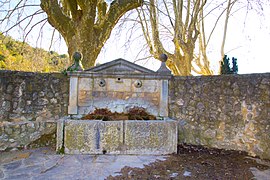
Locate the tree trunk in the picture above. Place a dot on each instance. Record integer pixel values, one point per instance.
(86, 25)
(87, 43)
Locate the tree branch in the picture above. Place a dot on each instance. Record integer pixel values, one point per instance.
(159, 49)
(102, 9)
(32, 27)
(145, 30)
(229, 8)
(83, 4)
(117, 9)
(17, 23)
(71, 6)
(56, 17)
(8, 15)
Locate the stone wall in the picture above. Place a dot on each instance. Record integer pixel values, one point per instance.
(230, 111)
(30, 105)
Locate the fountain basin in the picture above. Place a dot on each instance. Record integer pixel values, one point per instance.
(153, 137)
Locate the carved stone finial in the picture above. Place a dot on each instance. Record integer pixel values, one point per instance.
(163, 57)
(77, 57)
(77, 65)
(163, 68)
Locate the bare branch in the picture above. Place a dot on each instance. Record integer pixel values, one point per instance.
(40, 33)
(8, 15)
(229, 8)
(52, 39)
(142, 59)
(17, 23)
(32, 27)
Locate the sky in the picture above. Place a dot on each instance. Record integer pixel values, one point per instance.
(246, 40)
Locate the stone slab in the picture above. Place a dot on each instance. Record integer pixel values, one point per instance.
(60, 135)
(73, 96)
(150, 137)
(93, 137)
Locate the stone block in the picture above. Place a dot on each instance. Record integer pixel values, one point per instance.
(60, 135)
(85, 84)
(151, 86)
(93, 137)
(118, 84)
(150, 137)
(73, 96)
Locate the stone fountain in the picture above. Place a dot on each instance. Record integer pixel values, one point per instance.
(118, 86)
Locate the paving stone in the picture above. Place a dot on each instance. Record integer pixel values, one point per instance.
(37, 159)
(260, 174)
(2, 175)
(18, 176)
(105, 159)
(34, 169)
(85, 158)
(42, 166)
(152, 158)
(12, 165)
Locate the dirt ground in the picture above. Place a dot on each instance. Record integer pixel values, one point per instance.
(195, 162)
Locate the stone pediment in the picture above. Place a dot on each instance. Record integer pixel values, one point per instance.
(120, 66)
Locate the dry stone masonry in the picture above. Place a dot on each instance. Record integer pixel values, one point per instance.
(228, 111)
(30, 105)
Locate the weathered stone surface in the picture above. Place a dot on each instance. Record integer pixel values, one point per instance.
(119, 137)
(93, 137)
(60, 135)
(230, 111)
(150, 137)
(118, 85)
(2, 175)
(117, 95)
(25, 94)
(21, 134)
(73, 96)
(13, 165)
(31, 97)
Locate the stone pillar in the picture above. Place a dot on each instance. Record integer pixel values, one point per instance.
(60, 135)
(164, 94)
(73, 95)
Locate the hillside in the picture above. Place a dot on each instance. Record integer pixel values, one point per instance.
(19, 56)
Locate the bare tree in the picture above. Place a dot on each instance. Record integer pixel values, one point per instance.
(85, 25)
(178, 29)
